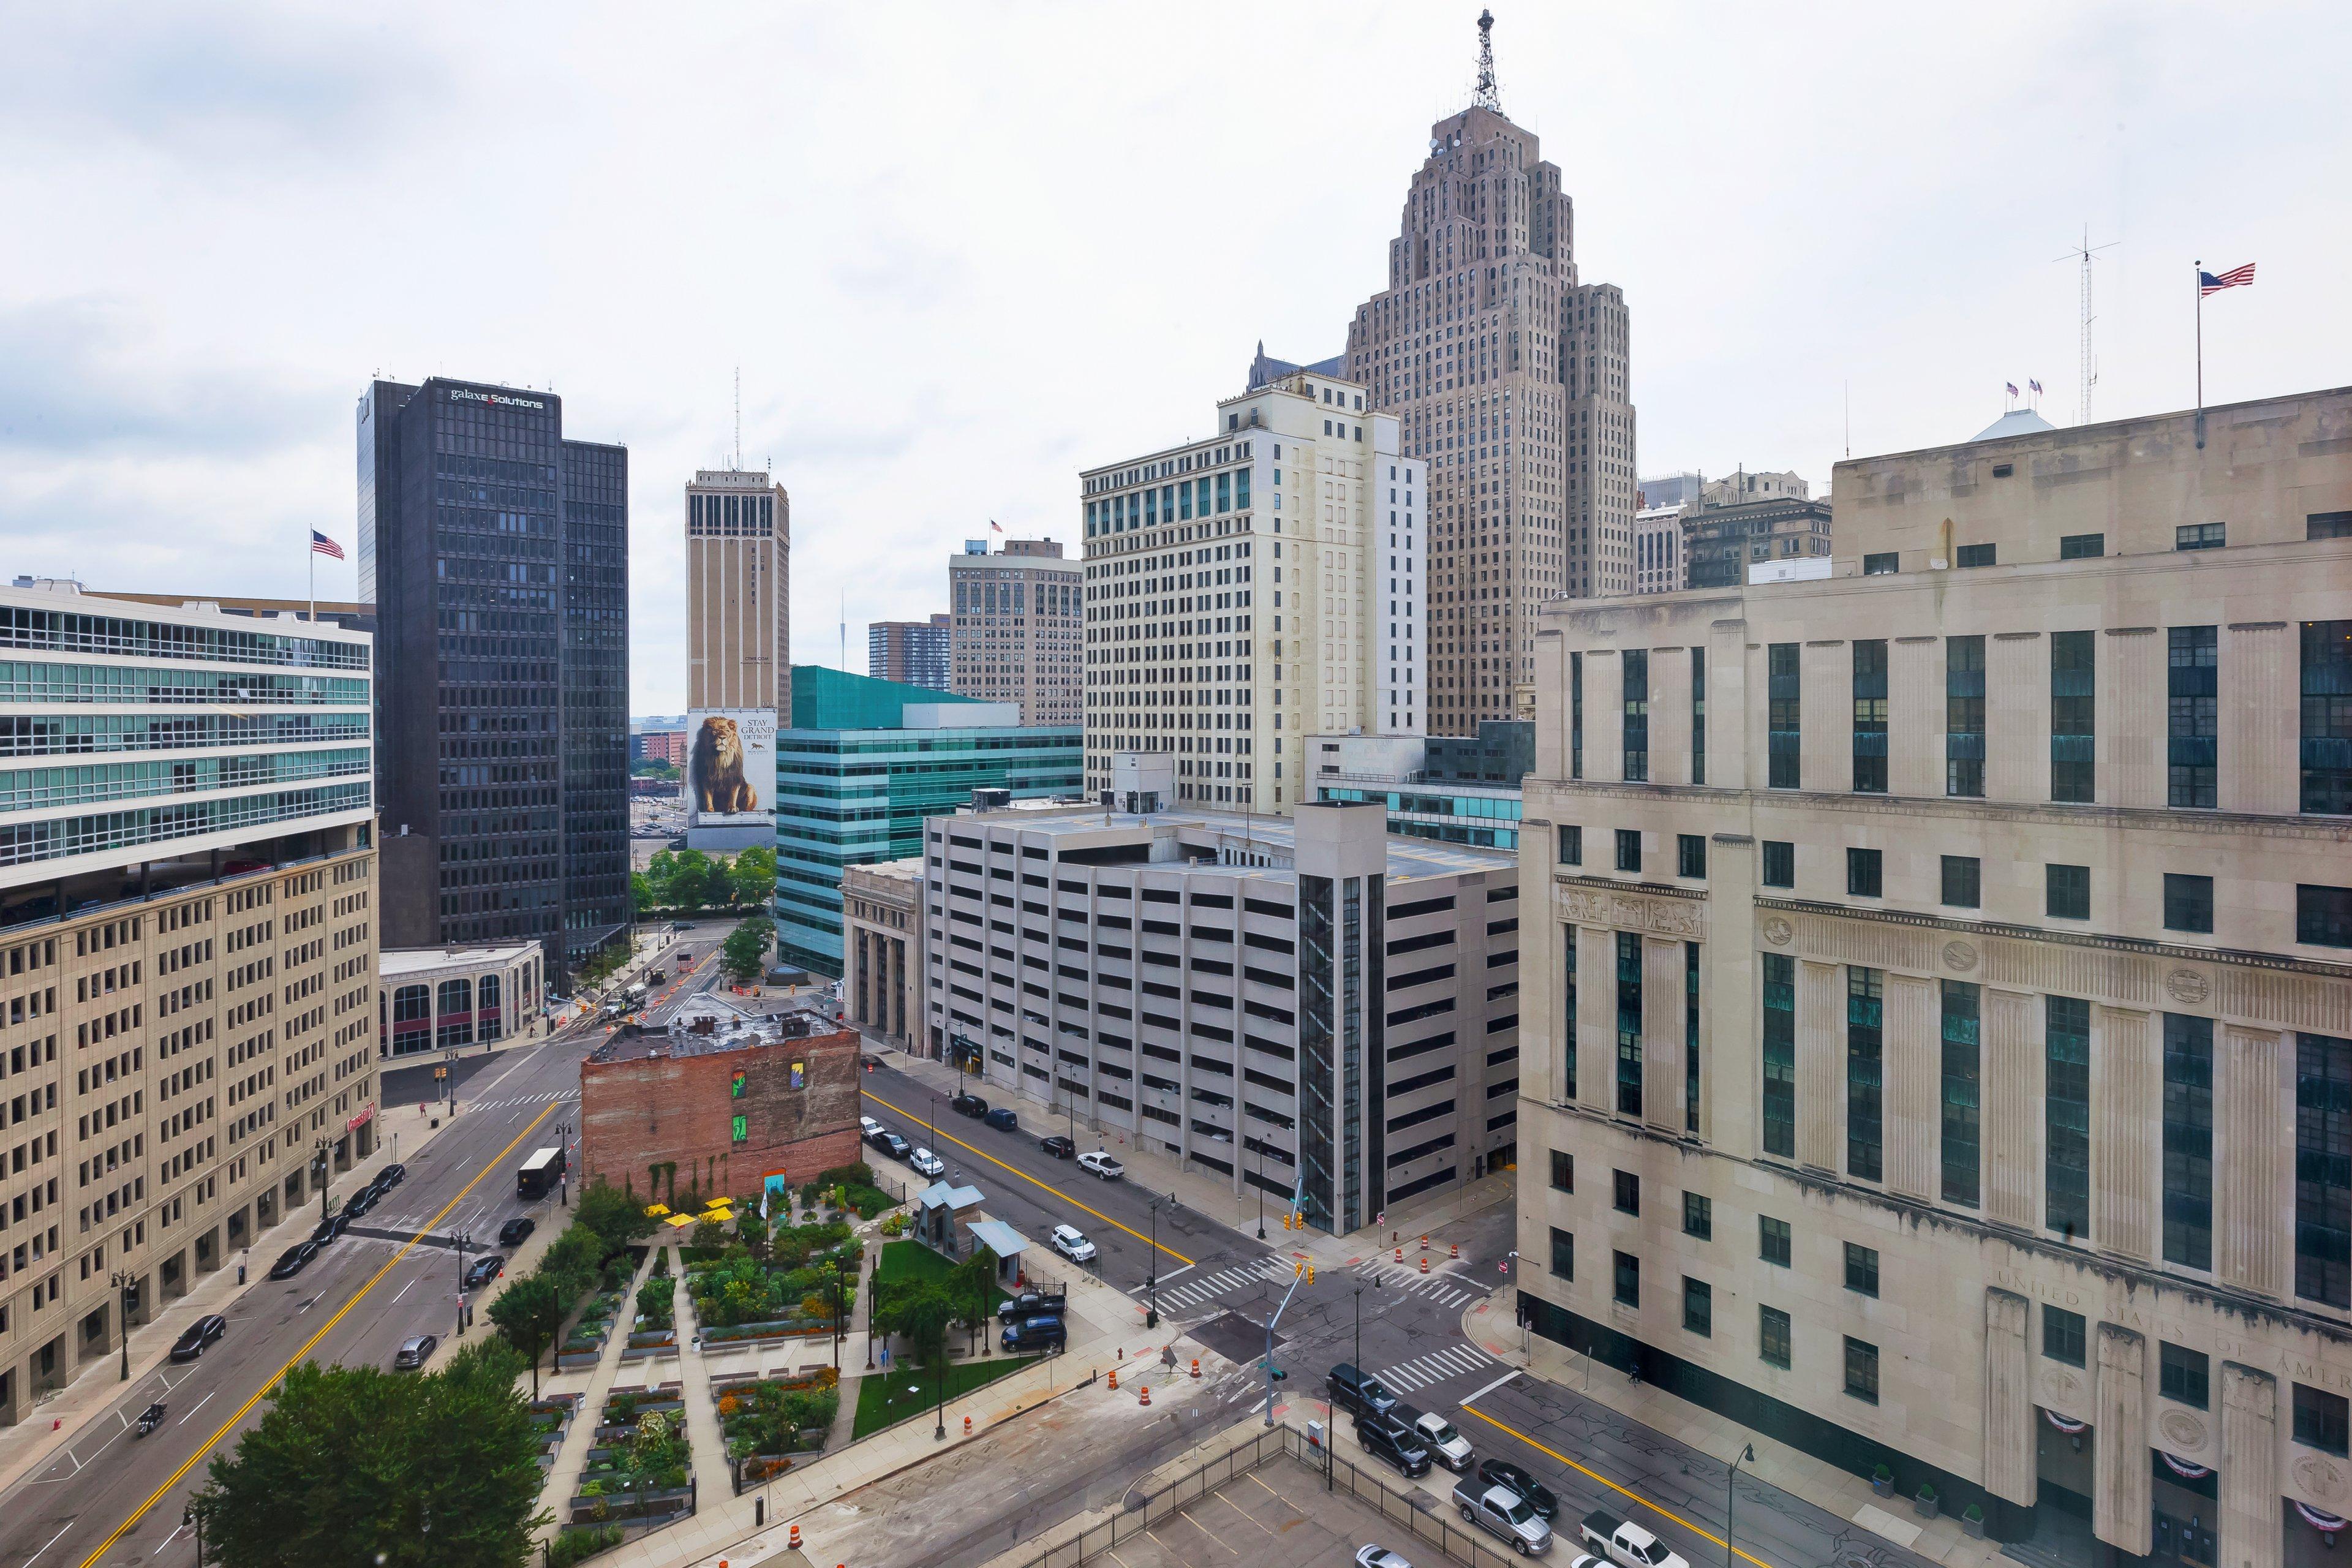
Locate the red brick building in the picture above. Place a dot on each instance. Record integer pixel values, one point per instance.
(687, 1116)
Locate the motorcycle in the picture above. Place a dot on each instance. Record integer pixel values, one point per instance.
(151, 1419)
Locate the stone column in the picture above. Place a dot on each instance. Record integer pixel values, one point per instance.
(2259, 746)
(1731, 727)
(1604, 715)
(2007, 1422)
(1821, 1040)
(1596, 1016)
(1670, 715)
(2127, 1109)
(1914, 716)
(1913, 1058)
(2017, 716)
(1662, 1034)
(2248, 1536)
(2120, 1490)
(2013, 1109)
(1825, 685)
(2252, 1201)
(2133, 757)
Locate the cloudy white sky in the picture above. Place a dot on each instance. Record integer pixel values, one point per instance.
(962, 250)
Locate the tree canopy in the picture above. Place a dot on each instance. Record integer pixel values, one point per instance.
(742, 953)
(530, 1313)
(690, 879)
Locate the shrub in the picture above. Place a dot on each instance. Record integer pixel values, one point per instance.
(573, 1545)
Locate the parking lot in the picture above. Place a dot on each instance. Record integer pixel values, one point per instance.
(1278, 1513)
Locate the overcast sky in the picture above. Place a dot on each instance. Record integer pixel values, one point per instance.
(962, 251)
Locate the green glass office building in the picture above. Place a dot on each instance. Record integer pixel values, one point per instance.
(865, 762)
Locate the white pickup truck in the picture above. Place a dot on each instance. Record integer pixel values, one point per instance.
(1627, 1545)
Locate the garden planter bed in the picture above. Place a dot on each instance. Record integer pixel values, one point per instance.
(577, 1360)
(633, 1505)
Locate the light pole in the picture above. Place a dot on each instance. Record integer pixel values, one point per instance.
(124, 1283)
(1261, 1189)
(1359, 1325)
(869, 1326)
(324, 1168)
(464, 1241)
(1746, 1457)
(1151, 1272)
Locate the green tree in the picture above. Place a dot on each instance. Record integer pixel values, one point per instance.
(616, 1217)
(972, 1286)
(431, 1471)
(694, 881)
(752, 878)
(530, 1313)
(641, 891)
(660, 871)
(918, 1312)
(744, 947)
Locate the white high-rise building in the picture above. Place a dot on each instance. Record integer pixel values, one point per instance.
(1255, 587)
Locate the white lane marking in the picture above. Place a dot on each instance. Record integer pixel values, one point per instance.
(52, 1540)
(199, 1405)
(1165, 1278)
(1491, 1387)
(404, 1289)
(173, 1536)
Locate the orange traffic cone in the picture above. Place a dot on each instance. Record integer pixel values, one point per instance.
(1457, 1250)
(1114, 1380)
(1399, 1254)
(796, 1538)
(967, 1425)
(1196, 1366)
(1146, 1393)
(1424, 1265)
(1425, 1243)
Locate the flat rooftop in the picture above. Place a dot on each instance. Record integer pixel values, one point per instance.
(1210, 830)
(394, 960)
(629, 1044)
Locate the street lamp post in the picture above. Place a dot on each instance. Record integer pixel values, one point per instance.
(1746, 1457)
(1360, 1323)
(123, 1282)
(464, 1241)
(1261, 1189)
(870, 1293)
(326, 1171)
(1151, 1272)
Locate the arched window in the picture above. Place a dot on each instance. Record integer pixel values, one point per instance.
(456, 1014)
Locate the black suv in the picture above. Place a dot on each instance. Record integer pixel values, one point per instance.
(514, 1232)
(1045, 1334)
(1350, 1389)
(1397, 1444)
(1059, 1147)
(482, 1270)
(968, 1105)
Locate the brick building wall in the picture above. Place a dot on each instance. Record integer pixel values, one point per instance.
(651, 1109)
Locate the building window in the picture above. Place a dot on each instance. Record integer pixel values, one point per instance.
(2322, 1169)
(2066, 1115)
(1864, 877)
(1576, 715)
(2074, 716)
(2328, 717)
(1629, 850)
(1964, 716)
(1628, 1279)
(2322, 916)
(2320, 1419)
(1773, 1337)
(1883, 565)
(1698, 1307)
(1626, 1188)
(2182, 1375)
(1975, 555)
(2188, 902)
(1563, 1170)
(2327, 525)
(1636, 731)
(1629, 1022)
(2063, 1336)
(1571, 844)
(2189, 1141)
(1960, 1093)
(1862, 1269)
(2066, 892)
(1772, 1240)
(1690, 1036)
(1963, 882)
(2192, 678)
(1698, 1216)
(1870, 716)
(1568, 1034)
(1563, 1254)
(1865, 1013)
(1780, 1054)
(1699, 715)
(2199, 536)
(1779, 864)
(1862, 1370)
(1785, 712)
(2082, 546)
(1690, 855)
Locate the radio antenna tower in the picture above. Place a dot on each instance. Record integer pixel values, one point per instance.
(1488, 97)
(738, 419)
(2084, 253)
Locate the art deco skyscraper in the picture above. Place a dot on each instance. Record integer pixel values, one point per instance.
(1509, 375)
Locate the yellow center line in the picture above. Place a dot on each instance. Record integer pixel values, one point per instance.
(1612, 1485)
(157, 1496)
(951, 1137)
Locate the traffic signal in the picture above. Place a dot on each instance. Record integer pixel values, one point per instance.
(1310, 1274)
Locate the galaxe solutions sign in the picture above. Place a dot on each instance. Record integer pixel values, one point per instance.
(508, 400)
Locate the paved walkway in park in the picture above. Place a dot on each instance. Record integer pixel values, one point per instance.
(592, 1384)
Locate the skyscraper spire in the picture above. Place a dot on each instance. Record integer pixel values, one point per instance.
(1488, 97)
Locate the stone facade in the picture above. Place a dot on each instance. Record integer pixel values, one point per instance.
(2006, 910)
(881, 910)
(1013, 636)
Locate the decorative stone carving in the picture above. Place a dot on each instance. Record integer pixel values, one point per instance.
(1959, 955)
(1777, 930)
(1684, 917)
(2062, 1389)
(2319, 1478)
(2188, 986)
(2183, 1432)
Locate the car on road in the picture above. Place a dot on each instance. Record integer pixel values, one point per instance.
(1100, 1164)
(868, 1061)
(1072, 1243)
(330, 1227)
(1370, 1555)
(1452, 1448)
(293, 1260)
(1501, 1512)
(928, 1164)
(204, 1332)
(1350, 1389)
(482, 1270)
(1389, 1440)
(1503, 1473)
(1057, 1147)
(867, 1128)
(681, 925)
(1036, 1334)
(1003, 1121)
(391, 1176)
(414, 1353)
(890, 1143)
(968, 1105)
(516, 1230)
(361, 1202)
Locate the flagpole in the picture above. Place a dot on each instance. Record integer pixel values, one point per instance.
(313, 554)
(2197, 283)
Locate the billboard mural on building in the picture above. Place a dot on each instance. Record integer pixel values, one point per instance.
(731, 767)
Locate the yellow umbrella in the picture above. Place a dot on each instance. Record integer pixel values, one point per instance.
(657, 1210)
(718, 1217)
(679, 1220)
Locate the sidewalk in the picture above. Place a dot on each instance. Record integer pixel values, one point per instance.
(1491, 1325)
(563, 1476)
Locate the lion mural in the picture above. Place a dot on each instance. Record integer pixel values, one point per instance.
(719, 787)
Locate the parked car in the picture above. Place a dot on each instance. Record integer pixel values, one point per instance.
(414, 1353)
(1072, 1243)
(681, 925)
(1039, 1333)
(333, 1225)
(1003, 1121)
(1385, 1439)
(1627, 1545)
(1034, 1302)
(1503, 1473)
(890, 1143)
(361, 1202)
(204, 1332)
(391, 1176)
(1058, 1146)
(1101, 1164)
(927, 1162)
(516, 1230)
(867, 1128)
(1349, 1389)
(293, 1260)
(1370, 1555)
(968, 1105)
(1452, 1448)
(482, 1270)
(1501, 1512)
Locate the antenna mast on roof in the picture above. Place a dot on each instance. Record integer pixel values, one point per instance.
(738, 419)
(1488, 97)
(2089, 370)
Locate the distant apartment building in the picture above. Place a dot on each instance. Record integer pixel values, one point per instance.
(659, 746)
(1723, 546)
(1938, 1025)
(1014, 631)
(1292, 1004)
(1658, 549)
(188, 931)
(1252, 587)
(1454, 789)
(739, 545)
(912, 653)
(1742, 487)
(1677, 491)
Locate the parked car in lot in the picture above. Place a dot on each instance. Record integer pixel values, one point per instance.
(1386, 1439)
(1503, 1473)
(1100, 1164)
(516, 1230)
(1627, 1545)
(1072, 1243)
(968, 1105)
(1039, 1333)
(928, 1164)
(1003, 1121)
(482, 1270)
(1350, 1389)
(890, 1143)
(1033, 1303)
(204, 1332)
(293, 1260)
(414, 1353)
(1501, 1512)
(1058, 1146)
(1373, 1555)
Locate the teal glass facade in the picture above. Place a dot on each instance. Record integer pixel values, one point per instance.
(1450, 814)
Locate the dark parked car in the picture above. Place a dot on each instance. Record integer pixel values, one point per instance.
(1359, 1390)
(330, 1227)
(1036, 1334)
(1033, 1303)
(514, 1232)
(361, 1202)
(293, 1260)
(1399, 1445)
(414, 1353)
(390, 1177)
(204, 1332)
(968, 1105)
(1003, 1121)
(482, 1270)
(890, 1143)
(1059, 1147)
(1503, 1473)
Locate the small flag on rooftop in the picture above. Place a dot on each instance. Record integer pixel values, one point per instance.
(2036, 386)
(2236, 277)
(2013, 388)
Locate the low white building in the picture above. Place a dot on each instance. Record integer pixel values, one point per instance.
(442, 999)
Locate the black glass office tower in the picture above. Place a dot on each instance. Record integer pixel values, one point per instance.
(495, 555)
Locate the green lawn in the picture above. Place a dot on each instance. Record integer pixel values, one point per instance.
(907, 1392)
(913, 1260)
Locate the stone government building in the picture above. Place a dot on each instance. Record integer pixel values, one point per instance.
(1938, 1037)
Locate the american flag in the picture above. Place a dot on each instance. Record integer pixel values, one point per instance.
(2013, 388)
(2236, 277)
(995, 526)
(2036, 386)
(323, 545)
